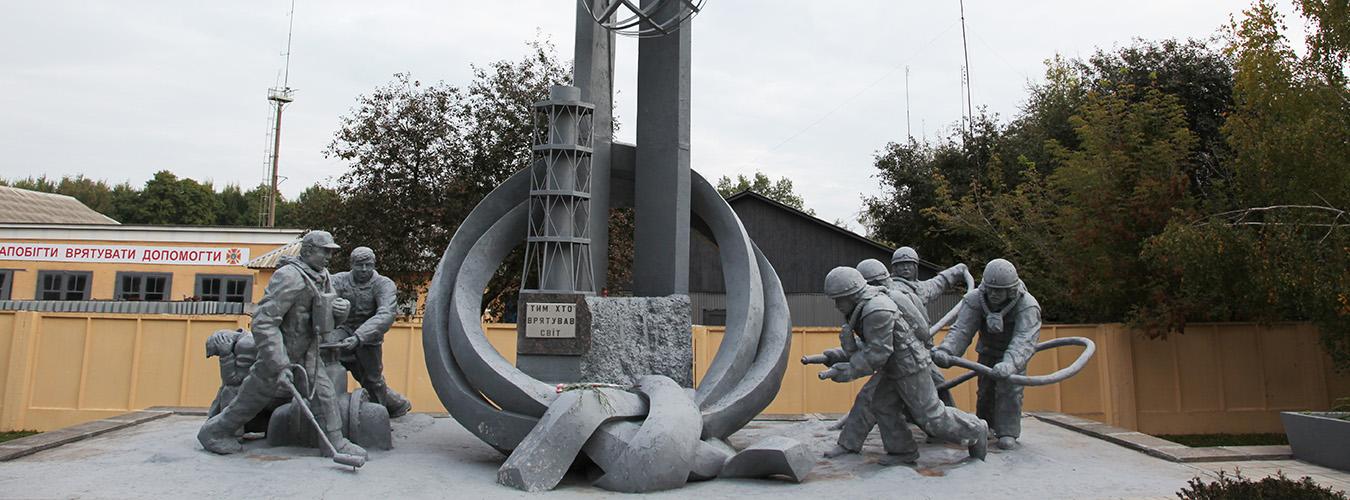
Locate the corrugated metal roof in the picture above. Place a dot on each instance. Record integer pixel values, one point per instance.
(22, 205)
(748, 194)
(270, 260)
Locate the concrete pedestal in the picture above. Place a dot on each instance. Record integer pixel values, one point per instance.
(636, 336)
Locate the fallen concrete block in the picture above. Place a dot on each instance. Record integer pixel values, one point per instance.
(542, 459)
(773, 456)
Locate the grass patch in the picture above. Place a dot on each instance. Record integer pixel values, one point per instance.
(1207, 440)
(7, 436)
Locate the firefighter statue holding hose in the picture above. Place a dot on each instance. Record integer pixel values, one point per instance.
(892, 349)
(1009, 321)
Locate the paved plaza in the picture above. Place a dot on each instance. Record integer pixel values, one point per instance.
(436, 458)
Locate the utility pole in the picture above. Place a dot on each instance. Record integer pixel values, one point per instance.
(279, 97)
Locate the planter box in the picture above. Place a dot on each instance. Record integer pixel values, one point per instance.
(1319, 437)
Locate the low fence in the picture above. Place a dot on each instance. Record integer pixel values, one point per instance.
(126, 306)
(65, 368)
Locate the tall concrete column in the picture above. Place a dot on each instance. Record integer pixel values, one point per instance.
(661, 185)
(594, 75)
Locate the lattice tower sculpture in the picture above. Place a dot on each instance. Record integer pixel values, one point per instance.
(558, 243)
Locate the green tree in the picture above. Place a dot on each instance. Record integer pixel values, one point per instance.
(911, 175)
(780, 190)
(126, 204)
(422, 155)
(236, 209)
(317, 207)
(1122, 186)
(40, 183)
(166, 199)
(1277, 248)
(95, 194)
(1198, 75)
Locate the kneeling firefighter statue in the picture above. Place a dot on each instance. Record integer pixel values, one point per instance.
(298, 306)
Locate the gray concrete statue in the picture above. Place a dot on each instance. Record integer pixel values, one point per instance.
(1009, 321)
(237, 352)
(297, 308)
(858, 423)
(893, 351)
(374, 305)
(904, 279)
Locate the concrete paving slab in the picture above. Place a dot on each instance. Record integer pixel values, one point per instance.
(1270, 452)
(435, 457)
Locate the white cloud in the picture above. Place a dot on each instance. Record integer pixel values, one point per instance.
(799, 88)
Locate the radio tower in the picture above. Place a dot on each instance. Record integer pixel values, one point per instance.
(279, 98)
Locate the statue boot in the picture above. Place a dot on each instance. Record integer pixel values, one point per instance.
(344, 445)
(397, 405)
(219, 433)
(980, 448)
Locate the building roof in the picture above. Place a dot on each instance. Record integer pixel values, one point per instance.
(748, 194)
(24, 206)
(272, 259)
(149, 233)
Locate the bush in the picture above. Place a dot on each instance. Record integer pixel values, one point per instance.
(1275, 487)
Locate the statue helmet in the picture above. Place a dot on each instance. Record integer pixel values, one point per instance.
(904, 254)
(873, 270)
(843, 281)
(999, 273)
(319, 239)
(362, 254)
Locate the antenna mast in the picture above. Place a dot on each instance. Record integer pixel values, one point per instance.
(908, 133)
(279, 97)
(965, 50)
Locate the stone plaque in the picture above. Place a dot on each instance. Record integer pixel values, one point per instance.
(553, 324)
(550, 320)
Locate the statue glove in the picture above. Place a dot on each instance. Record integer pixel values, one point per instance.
(1004, 369)
(942, 358)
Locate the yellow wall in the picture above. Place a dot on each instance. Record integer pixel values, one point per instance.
(104, 278)
(65, 368)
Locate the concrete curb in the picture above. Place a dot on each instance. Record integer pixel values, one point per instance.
(45, 441)
(1162, 448)
(25, 446)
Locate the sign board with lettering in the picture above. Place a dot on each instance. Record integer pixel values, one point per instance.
(124, 254)
(553, 324)
(546, 320)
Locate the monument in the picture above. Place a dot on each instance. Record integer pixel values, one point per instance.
(298, 307)
(606, 377)
(887, 336)
(280, 379)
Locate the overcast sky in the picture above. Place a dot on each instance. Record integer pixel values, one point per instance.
(804, 89)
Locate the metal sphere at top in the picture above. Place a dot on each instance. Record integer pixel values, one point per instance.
(626, 18)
